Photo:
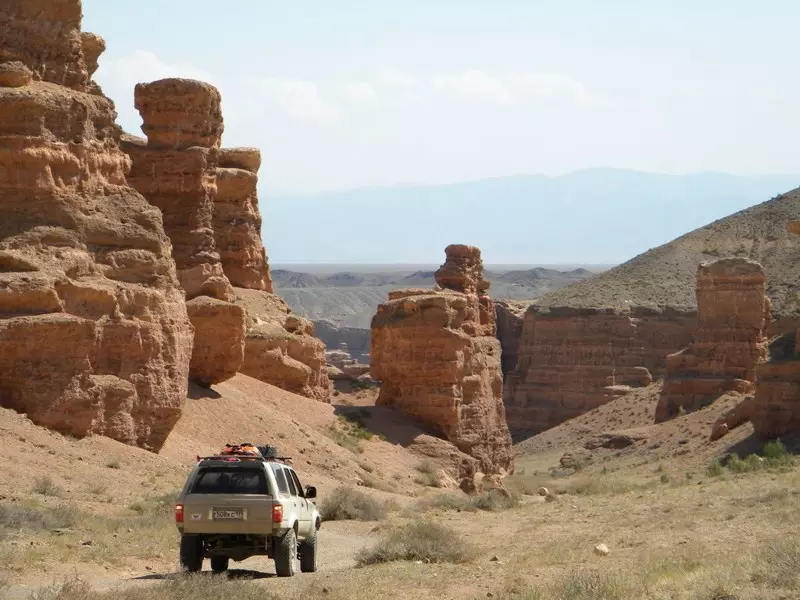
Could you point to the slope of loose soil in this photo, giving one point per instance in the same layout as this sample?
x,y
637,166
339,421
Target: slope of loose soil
x,y
98,506
683,442
666,275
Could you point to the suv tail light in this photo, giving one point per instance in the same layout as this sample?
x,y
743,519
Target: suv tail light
x,y
179,513
277,513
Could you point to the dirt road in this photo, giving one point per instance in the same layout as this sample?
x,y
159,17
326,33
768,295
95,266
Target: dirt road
x,y
339,542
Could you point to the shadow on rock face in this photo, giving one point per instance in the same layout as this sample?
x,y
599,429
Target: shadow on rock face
x,y
198,392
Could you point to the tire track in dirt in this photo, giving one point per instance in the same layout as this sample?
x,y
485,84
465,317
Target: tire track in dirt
x,y
339,543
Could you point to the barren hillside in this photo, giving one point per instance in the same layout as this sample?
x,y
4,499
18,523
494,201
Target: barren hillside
x,y
351,298
666,275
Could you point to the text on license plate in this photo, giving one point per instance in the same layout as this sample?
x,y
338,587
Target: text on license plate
x,y
227,513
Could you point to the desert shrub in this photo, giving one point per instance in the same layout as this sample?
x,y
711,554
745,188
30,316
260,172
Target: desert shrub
x,y
15,518
193,587
779,565
346,503
495,499
375,483
427,474
422,540
162,505
775,457
47,487
715,469
446,501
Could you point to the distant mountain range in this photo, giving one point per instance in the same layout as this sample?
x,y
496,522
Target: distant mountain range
x,y
591,216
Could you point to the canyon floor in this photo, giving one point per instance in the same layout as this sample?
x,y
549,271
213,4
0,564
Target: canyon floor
x,y
89,518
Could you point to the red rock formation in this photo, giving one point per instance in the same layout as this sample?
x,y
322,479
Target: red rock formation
x,y
776,406
237,220
175,169
94,335
281,348
438,359
732,316
572,360
509,316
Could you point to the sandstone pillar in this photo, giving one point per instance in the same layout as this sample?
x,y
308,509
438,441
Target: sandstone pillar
x,y
175,169
438,360
732,316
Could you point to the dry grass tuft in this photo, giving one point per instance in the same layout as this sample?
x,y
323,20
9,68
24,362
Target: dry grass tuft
x,y
423,540
194,587
346,503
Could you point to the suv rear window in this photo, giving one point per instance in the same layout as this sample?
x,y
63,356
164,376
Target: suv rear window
x,y
230,481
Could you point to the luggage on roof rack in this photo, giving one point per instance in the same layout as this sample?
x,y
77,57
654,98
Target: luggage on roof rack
x,y
246,450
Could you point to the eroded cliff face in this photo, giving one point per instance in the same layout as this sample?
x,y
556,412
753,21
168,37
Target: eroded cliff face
x,y
237,220
572,360
176,170
509,316
94,334
728,343
437,357
281,348
775,409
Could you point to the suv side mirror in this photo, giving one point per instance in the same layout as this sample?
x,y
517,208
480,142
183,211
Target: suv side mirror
x,y
311,492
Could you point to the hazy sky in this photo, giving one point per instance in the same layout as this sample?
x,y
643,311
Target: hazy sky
x,y
351,93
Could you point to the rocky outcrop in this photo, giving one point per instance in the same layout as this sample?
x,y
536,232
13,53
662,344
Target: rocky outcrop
x,y
509,315
237,220
732,316
438,360
94,334
280,348
776,406
572,360
176,170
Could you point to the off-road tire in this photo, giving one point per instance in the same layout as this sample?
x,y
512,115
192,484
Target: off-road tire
x,y
219,564
286,554
191,553
308,554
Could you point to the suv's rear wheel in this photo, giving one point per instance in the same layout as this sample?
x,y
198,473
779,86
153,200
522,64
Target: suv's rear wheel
x,y
191,553
219,563
286,554
308,554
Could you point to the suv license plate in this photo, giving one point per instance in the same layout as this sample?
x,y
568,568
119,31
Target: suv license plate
x,y
220,514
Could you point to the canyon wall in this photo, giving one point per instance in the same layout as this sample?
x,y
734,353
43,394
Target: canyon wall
x,y
509,316
729,340
438,360
175,169
94,333
571,360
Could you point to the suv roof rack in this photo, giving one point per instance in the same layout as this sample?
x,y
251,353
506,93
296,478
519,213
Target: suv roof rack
x,y
244,457
247,451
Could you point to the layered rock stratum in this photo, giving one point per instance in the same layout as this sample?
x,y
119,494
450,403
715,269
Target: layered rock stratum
x,y
733,315
775,409
175,169
237,219
94,333
209,198
572,360
438,360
